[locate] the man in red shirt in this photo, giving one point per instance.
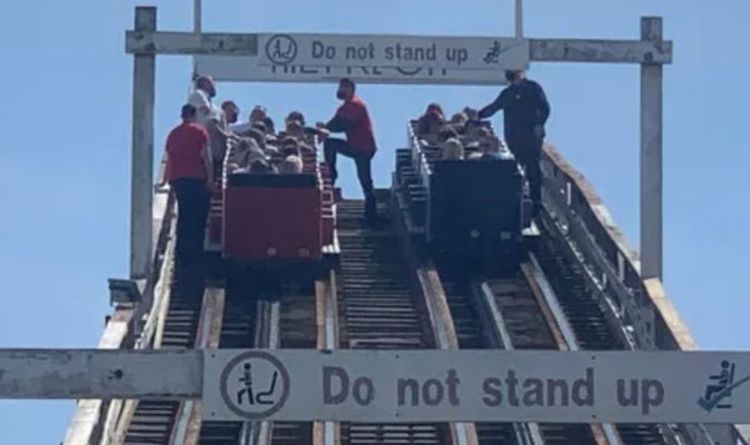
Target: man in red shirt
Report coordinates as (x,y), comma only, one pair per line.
(353,119)
(190,173)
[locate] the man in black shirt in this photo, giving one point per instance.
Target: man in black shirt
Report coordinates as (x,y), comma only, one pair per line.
(525,111)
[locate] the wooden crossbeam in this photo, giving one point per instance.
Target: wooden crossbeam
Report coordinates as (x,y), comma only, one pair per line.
(105,374)
(542,50)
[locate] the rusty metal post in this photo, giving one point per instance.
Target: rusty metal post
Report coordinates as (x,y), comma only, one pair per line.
(142,174)
(651,156)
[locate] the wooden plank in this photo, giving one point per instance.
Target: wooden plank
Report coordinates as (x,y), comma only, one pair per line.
(83,428)
(601,51)
(98,373)
(543,50)
(169,42)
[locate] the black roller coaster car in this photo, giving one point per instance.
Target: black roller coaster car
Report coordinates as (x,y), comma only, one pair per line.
(464,210)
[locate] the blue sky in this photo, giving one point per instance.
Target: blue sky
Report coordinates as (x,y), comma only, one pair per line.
(66,135)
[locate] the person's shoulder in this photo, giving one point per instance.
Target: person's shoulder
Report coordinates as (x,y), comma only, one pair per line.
(358,102)
(198,98)
(197,129)
(533,84)
(198,94)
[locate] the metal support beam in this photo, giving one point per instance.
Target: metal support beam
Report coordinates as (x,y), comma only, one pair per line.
(651,156)
(142,175)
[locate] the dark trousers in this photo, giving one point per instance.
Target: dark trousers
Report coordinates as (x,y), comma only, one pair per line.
(333,147)
(192,212)
(528,152)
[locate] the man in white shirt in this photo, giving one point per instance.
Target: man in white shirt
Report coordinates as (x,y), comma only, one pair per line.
(212,118)
(205,90)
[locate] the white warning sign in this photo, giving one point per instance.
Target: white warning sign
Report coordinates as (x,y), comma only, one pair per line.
(387,59)
(468,53)
(417,386)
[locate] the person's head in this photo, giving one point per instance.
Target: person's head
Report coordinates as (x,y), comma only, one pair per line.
(188,113)
(290,146)
(346,89)
(459,119)
(206,84)
(435,109)
(268,122)
(231,111)
(471,113)
(260,126)
(472,129)
(452,149)
(514,76)
(249,144)
(257,136)
(483,133)
(295,128)
(447,132)
(296,116)
(258,114)
(291,165)
(271,151)
(490,145)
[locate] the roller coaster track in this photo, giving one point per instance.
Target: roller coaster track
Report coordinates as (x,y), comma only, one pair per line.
(381,297)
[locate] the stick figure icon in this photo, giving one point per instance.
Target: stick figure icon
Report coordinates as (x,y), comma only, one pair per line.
(247,385)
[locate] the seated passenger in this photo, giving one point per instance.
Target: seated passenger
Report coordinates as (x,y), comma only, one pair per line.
(445,133)
(452,150)
(291,165)
(242,154)
(431,121)
(483,133)
(290,146)
(459,119)
(435,108)
(490,148)
(471,113)
(295,128)
(270,127)
(257,136)
(258,114)
(472,130)
(261,166)
(260,126)
(295,116)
